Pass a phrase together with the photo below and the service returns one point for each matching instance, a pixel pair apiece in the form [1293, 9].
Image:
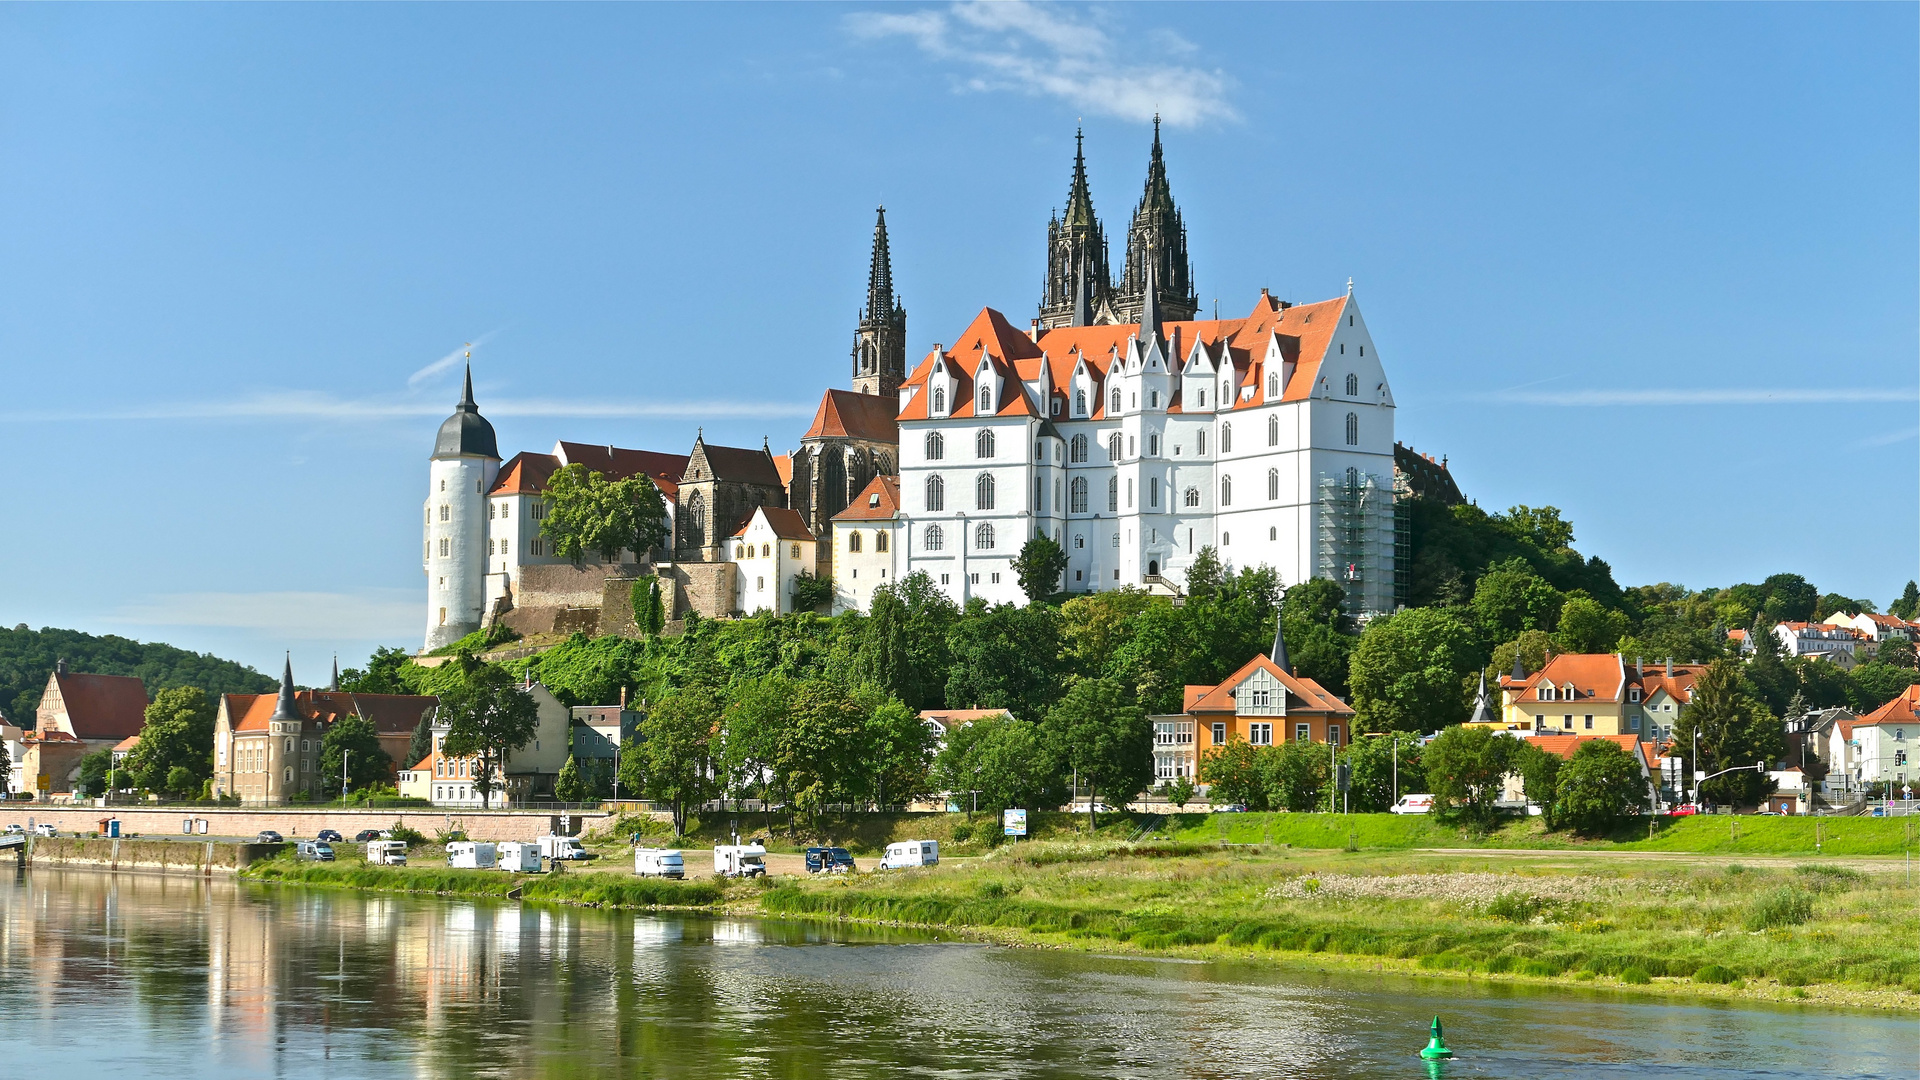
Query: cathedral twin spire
[1079, 288]
[880, 342]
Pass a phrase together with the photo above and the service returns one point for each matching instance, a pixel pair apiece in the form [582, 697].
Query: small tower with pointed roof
[880, 341]
[465, 461]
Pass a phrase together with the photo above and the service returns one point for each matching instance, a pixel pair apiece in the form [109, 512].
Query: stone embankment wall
[181, 856]
[292, 823]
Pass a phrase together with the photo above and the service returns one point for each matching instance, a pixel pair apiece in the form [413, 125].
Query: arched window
[1226, 438]
[939, 400]
[1113, 447]
[1226, 393]
[983, 444]
[1115, 407]
[932, 538]
[1079, 403]
[1078, 448]
[1273, 483]
[936, 446]
[1226, 491]
[1273, 387]
[1153, 400]
[1113, 493]
[1353, 477]
[983, 492]
[986, 399]
[1353, 385]
[1200, 442]
[1193, 496]
[880, 542]
[1077, 495]
[1273, 533]
[766, 551]
[983, 536]
[1353, 429]
[1273, 431]
[695, 530]
[1153, 492]
[936, 493]
[853, 540]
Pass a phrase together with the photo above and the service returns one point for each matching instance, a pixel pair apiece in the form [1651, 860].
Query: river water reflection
[130, 976]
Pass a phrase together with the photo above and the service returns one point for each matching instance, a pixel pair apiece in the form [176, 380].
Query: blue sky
[1655, 265]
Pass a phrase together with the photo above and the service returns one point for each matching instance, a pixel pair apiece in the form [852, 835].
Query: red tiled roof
[786, 524]
[126, 745]
[878, 501]
[1312, 696]
[1597, 676]
[845, 414]
[391, 714]
[1565, 745]
[783, 464]
[618, 463]
[1904, 709]
[103, 706]
[953, 718]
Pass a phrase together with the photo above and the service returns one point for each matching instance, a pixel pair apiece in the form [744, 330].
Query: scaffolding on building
[1402, 539]
[1357, 540]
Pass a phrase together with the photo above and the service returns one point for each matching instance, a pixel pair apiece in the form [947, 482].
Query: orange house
[1265, 704]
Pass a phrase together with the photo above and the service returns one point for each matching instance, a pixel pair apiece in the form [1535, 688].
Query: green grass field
[606, 889]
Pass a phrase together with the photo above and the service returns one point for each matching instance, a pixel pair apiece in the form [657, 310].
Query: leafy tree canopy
[1908, 605]
[178, 734]
[353, 741]
[1005, 657]
[589, 514]
[385, 673]
[27, 658]
[1038, 567]
[1599, 788]
[1409, 671]
[1105, 739]
[1466, 768]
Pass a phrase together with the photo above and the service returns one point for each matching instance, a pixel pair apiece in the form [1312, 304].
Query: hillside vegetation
[27, 658]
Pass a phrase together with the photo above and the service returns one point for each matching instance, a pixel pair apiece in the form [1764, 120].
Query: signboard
[1013, 822]
[45, 782]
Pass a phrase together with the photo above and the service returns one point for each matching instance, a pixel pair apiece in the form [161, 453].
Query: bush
[1715, 974]
[1636, 975]
[1515, 907]
[1786, 905]
[407, 836]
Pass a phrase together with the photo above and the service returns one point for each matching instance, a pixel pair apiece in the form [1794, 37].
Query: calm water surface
[130, 976]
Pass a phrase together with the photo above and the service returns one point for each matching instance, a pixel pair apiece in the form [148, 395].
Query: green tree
[896, 751]
[421, 743]
[1511, 598]
[178, 734]
[817, 751]
[1895, 651]
[354, 741]
[1540, 773]
[1790, 598]
[488, 717]
[1466, 768]
[1180, 792]
[1320, 637]
[1038, 567]
[811, 593]
[1005, 657]
[587, 513]
[180, 782]
[1232, 774]
[1534, 647]
[1735, 729]
[1378, 762]
[1094, 626]
[1877, 683]
[1408, 672]
[93, 772]
[1104, 739]
[1908, 606]
[1767, 672]
[588, 671]
[568, 786]
[1206, 575]
[751, 723]
[1586, 627]
[904, 649]
[1600, 788]
[675, 753]
[1002, 758]
[1297, 775]
[384, 674]
[1544, 528]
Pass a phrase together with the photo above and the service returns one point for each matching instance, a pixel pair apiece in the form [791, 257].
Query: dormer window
[1273, 386]
[1080, 403]
[1633, 693]
[1115, 407]
[1226, 391]
[986, 399]
[1547, 692]
[939, 399]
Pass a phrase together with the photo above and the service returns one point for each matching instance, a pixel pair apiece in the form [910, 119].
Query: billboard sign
[1013, 822]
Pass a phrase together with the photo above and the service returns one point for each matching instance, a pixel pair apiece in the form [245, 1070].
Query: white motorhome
[519, 857]
[387, 852]
[561, 848]
[659, 862]
[740, 860]
[911, 853]
[468, 855]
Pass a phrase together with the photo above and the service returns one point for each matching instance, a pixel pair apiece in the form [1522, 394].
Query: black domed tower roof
[466, 433]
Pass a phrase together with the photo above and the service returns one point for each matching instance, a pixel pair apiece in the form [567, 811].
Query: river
[133, 976]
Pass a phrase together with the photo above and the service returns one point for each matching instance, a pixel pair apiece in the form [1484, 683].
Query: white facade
[453, 552]
[869, 541]
[1834, 644]
[1135, 461]
[1883, 751]
[769, 554]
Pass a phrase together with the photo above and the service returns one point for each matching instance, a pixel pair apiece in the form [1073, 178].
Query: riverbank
[1812, 933]
[606, 888]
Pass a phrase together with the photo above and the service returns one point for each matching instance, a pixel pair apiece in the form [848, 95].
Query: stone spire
[880, 341]
[466, 433]
[1157, 243]
[286, 708]
[1482, 704]
[1077, 274]
[335, 685]
[1279, 654]
[1150, 315]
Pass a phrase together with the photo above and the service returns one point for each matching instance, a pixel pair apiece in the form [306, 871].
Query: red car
[1683, 810]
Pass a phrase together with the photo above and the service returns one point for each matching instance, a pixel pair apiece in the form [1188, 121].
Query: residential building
[1564, 745]
[529, 771]
[771, 551]
[942, 723]
[1827, 747]
[1598, 694]
[1885, 741]
[77, 715]
[1834, 644]
[1263, 703]
[267, 747]
[1872, 629]
[866, 540]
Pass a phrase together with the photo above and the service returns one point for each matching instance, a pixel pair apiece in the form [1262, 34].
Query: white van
[387, 852]
[911, 853]
[1413, 804]
[740, 860]
[468, 855]
[519, 857]
[561, 848]
[659, 862]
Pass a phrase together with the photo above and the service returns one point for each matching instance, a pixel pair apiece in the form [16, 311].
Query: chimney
[1639, 670]
[1669, 667]
[60, 666]
[623, 698]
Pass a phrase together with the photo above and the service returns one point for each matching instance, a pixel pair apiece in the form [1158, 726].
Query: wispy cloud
[1055, 51]
[319, 405]
[1888, 438]
[284, 616]
[1705, 396]
[431, 370]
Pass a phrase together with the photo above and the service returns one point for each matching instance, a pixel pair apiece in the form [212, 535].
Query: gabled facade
[1262, 704]
[1596, 694]
[1886, 740]
[867, 538]
[1834, 644]
[77, 715]
[770, 553]
[267, 747]
[530, 770]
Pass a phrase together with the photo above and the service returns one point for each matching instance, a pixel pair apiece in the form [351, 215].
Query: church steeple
[880, 342]
[1158, 236]
[1078, 280]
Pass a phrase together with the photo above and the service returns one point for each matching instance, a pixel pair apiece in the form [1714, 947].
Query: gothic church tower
[466, 459]
[880, 342]
[1077, 277]
[1157, 239]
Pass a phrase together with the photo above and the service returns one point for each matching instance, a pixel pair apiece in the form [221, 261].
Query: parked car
[387, 852]
[1413, 804]
[659, 862]
[1683, 810]
[829, 860]
[16, 829]
[314, 851]
[330, 835]
[562, 848]
[365, 835]
[268, 836]
[910, 853]
[1231, 808]
[44, 829]
[740, 860]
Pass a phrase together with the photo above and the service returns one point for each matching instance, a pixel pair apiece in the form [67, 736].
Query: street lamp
[344, 755]
[1758, 766]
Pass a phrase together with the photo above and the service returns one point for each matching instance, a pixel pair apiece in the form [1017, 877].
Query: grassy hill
[27, 657]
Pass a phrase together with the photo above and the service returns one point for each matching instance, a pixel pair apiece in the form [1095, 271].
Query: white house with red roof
[1834, 644]
[770, 553]
[1598, 694]
[1885, 742]
[1871, 628]
[866, 539]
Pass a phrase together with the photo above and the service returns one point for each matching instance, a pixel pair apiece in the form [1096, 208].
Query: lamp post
[1758, 766]
[344, 755]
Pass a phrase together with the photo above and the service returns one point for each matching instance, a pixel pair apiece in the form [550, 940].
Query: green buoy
[1436, 1043]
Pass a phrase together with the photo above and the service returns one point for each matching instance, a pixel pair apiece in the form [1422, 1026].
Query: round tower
[465, 460]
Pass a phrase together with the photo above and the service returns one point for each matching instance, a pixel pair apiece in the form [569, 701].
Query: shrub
[1778, 907]
[405, 835]
[1636, 975]
[1715, 974]
[962, 832]
[1515, 907]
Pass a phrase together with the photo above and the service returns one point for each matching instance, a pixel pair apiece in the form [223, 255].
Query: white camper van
[561, 848]
[387, 852]
[659, 862]
[740, 860]
[519, 857]
[468, 855]
[910, 853]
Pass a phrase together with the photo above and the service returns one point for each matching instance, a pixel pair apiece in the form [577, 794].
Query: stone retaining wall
[293, 823]
[181, 856]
